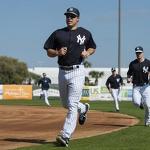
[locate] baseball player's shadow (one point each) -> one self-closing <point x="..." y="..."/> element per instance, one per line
<point x="117" y="117"/>
<point x="38" y="141"/>
<point x="35" y="141"/>
<point x="55" y="144"/>
<point x="106" y="124"/>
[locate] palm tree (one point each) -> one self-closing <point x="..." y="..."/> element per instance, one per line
<point x="87" y="64"/>
<point x="86" y="81"/>
<point x="96" y="75"/>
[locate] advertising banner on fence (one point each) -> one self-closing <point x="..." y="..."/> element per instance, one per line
<point x="1" y="92"/>
<point x="93" y="93"/>
<point x="16" y="92"/>
<point x="51" y="92"/>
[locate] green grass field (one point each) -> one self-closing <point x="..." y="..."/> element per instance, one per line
<point x="133" y="138"/>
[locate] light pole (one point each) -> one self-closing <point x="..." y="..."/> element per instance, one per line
<point x="119" y="36"/>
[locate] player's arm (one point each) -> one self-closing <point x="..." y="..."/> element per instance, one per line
<point x="129" y="74"/>
<point x="149" y="73"/>
<point x="39" y="82"/>
<point x="108" y="85"/>
<point x="149" y="77"/>
<point x="129" y="79"/>
<point x="87" y="52"/>
<point x="109" y="89"/>
<point x="121" y="81"/>
<point x="49" y="81"/>
<point x="90" y="47"/>
<point x="53" y="53"/>
<point x="51" y="47"/>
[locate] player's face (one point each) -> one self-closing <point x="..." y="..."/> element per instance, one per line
<point x="44" y="75"/>
<point x="71" y="20"/>
<point x="139" y="55"/>
<point x="113" y="72"/>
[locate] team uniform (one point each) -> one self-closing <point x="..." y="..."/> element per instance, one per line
<point x="75" y="41"/>
<point x="113" y="83"/>
<point x="71" y="74"/>
<point x="141" y="89"/>
<point x="44" y="82"/>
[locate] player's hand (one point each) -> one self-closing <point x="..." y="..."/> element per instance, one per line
<point x="85" y="54"/>
<point x="110" y="90"/>
<point x="128" y="80"/>
<point x="62" y="51"/>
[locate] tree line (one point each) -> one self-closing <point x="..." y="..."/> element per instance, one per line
<point x="13" y="71"/>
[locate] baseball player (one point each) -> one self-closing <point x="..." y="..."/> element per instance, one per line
<point x="139" y="75"/>
<point x="44" y="82"/>
<point x="71" y="45"/>
<point x="113" y="84"/>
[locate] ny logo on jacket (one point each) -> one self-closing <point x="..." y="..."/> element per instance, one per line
<point x="80" y="40"/>
<point x="145" y="69"/>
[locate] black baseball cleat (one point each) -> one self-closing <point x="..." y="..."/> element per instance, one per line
<point x="117" y="110"/>
<point x="40" y="96"/>
<point x="147" y="124"/>
<point x="62" y="141"/>
<point x="141" y="106"/>
<point x="83" y="116"/>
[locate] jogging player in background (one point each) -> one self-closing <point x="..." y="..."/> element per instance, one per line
<point x="139" y="75"/>
<point x="44" y="83"/>
<point x="71" y="44"/>
<point x="113" y="84"/>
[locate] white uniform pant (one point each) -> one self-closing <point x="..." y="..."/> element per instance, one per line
<point x="142" y="94"/>
<point x="115" y="94"/>
<point x="70" y="86"/>
<point x="45" y="93"/>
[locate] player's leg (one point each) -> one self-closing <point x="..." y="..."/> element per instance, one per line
<point x="74" y="95"/>
<point x="46" y="97"/>
<point x="75" y="82"/>
<point x="118" y="95"/>
<point x="62" y="139"/>
<point x="115" y="97"/>
<point x="136" y="96"/>
<point x="146" y="100"/>
<point x="63" y="89"/>
<point x="41" y="94"/>
<point x="81" y="107"/>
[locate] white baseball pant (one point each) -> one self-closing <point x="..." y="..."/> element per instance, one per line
<point x="45" y="93"/>
<point x="142" y="94"/>
<point x="70" y="86"/>
<point x="115" y="94"/>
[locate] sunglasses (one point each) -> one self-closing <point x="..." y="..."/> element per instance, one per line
<point x="138" y="53"/>
<point x="71" y="16"/>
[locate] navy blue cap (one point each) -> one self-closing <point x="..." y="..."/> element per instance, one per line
<point x="72" y="10"/>
<point x="113" y="69"/>
<point x="139" y="49"/>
